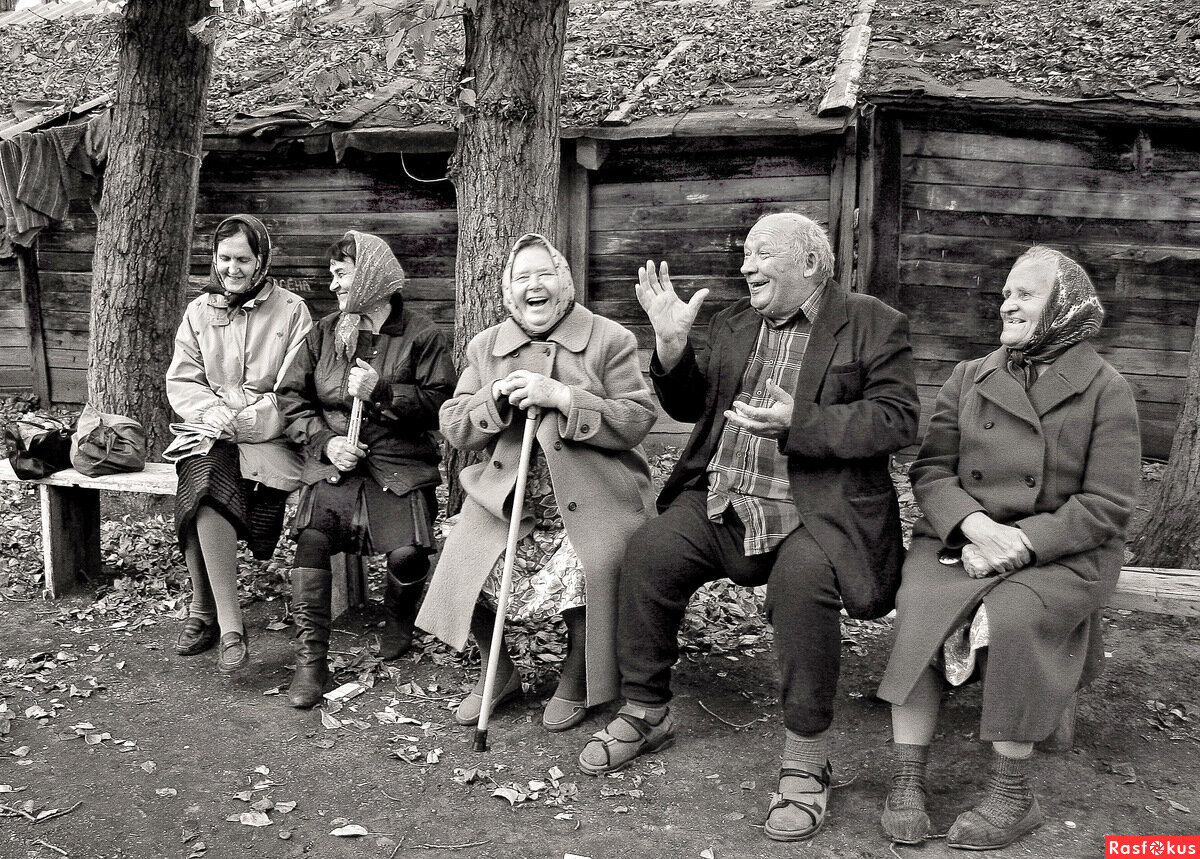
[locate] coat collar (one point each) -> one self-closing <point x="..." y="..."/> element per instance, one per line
<point x="572" y="333"/>
<point x="1069" y="374"/>
<point x="220" y="301"/>
<point x="822" y="341"/>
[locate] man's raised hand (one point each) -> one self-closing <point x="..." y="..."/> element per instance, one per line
<point x="671" y="317"/>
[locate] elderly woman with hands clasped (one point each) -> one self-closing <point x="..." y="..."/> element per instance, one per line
<point x="374" y="496"/>
<point x="1026" y="478"/>
<point x="588" y="488"/>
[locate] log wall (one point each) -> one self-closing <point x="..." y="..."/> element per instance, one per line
<point x="16" y="376"/>
<point x="1123" y="202"/>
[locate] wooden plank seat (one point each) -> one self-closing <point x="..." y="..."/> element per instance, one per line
<point x="71" y="519"/>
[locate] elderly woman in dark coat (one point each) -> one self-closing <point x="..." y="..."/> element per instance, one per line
<point x="589" y="485"/>
<point x="376" y="497"/>
<point x="1026" y="479"/>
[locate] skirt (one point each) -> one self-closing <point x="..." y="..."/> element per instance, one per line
<point x="360" y="517"/>
<point x="547" y="575"/>
<point x="215" y="478"/>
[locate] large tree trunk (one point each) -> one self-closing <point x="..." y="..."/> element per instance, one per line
<point x="1171" y="536"/>
<point x="506" y="163"/>
<point x="144" y="236"/>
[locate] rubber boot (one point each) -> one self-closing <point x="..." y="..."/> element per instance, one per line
<point x="312" y="591"/>
<point x="400" y="603"/>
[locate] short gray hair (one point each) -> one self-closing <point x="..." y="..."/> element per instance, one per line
<point x="806" y="237"/>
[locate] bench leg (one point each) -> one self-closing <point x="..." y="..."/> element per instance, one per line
<point x="1063" y="738"/>
<point x="349" y="583"/>
<point x="70" y="536"/>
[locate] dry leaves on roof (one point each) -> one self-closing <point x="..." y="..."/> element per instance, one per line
<point x="1080" y="48"/>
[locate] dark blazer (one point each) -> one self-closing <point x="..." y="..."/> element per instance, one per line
<point x="856" y="403"/>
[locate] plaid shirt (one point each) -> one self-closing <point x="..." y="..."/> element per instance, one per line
<point x="747" y="472"/>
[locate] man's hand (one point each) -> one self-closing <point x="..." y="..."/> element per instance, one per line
<point x="671" y="317"/>
<point x="1002" y="547"/>
<point x="770" y="422"/>
<point x="343" y="454"/>
<point x="525" y="388"/>
<point x="362" y="381"/>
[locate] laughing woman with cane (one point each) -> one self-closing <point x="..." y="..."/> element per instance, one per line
<point x="369" y="482"/>
<point x="588" y="484"/>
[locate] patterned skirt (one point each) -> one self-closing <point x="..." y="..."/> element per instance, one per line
<point x="547" y="576"/>
<point x="215" y="478"/>
<point x="360" y="517"/>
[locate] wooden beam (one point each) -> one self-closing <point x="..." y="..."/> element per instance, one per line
<point x="879" y="209"/>
<point x="620" y="116"/>
<point x="31" y="300"/>
<point x="574" y="221"/>
<point x="1157" y="589"/>
<point x="590" y="152"/>
<point x="843" y="195"/>
<point x="842" y="95"/>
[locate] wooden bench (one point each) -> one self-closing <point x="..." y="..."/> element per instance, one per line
<point x="71" y="519"/>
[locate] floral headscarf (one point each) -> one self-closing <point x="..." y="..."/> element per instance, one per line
<point x="260" y="244"/>
<point x="565" y="300"/>
<point x="377" y="277"/>
<point x="1072" y="314"/>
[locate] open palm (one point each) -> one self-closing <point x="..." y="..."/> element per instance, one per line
<point x="671" y="316"/>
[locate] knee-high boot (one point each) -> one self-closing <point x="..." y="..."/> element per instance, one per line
<point x="312" y="590"/>
<point x="400" y="603"/>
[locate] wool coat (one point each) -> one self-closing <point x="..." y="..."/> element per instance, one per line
<point x="1061" y="462"/>
<point x="855" y="404"/>
<point x="600" y="475"/>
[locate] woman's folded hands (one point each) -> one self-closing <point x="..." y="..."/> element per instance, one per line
<point x="994" y="547"/>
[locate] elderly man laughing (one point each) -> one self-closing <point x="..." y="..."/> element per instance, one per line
<point x="804" y="392"/>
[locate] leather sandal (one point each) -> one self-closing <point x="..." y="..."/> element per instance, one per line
<point x="813" y="801"/>
<point x="562" y="714"/>
<point x="468" y="711"/>
<point x="619" y="753"/>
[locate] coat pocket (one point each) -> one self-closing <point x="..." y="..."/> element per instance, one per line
<point x="843" y="384"/>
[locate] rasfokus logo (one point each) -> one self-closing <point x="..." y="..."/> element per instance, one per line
<point x="1152" y="845"/>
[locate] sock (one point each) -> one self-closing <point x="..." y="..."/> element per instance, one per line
<point x="908" y="780"/>
<point x="810" y="750"/>
<point x="1009" y="794"/>
<point x="655" y="713"/>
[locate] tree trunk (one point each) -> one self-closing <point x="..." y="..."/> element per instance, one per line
<point x="144" y="235"/>
<point x="1171" y="536"/>
<point x="506" y="163"/>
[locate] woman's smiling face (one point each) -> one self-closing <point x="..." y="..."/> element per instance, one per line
<point x="343" y="278"/>
<point x="236" y="263"/>
<point x="1026" y="293"/>
<point x="536" y="288"/>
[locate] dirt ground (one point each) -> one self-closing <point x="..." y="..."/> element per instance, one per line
<point x="111" y="746"/>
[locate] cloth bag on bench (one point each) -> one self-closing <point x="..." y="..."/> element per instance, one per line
<point x="107" y="444"/>
<point x="37" y="446"/>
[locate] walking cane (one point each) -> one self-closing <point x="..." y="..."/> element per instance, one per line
<point x="356" y="419"/>
<point x="510" y="557"/>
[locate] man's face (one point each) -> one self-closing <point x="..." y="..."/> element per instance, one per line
<point x="778" y="282"/>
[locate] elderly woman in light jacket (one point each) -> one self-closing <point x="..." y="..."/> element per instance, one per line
<point x="589" y="485"/>
<point x="235" y="467"/>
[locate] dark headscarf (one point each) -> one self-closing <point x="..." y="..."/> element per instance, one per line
<point x="1072" y="314"/>
<point x="260" y="245"/>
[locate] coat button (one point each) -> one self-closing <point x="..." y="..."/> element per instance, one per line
<point x="572" y="506"/>
<point x="1030" y="481"/>
<point x="585" y="428"/>
<point x="558" y="445"/>
<point x="483" y="424"/>
<point x="989" y="424"/>
<point x="546" y="351"/>
<point x="498" y="464"/>
<point x="977" y="475"/>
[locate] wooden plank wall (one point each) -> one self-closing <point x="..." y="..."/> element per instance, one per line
<point x="16" y="377"/>
<point x="1125" y="204"/>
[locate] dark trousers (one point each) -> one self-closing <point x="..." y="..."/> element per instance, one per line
<point x="669" y="558"/>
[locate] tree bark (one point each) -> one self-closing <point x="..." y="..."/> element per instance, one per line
<point x="144" y="235"/>
<point x="505" y="166"/>
<point x="1171" y="536"/>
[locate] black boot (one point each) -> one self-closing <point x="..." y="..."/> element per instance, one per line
<point x="312" y="590"/>
<point x="400" y="603"/>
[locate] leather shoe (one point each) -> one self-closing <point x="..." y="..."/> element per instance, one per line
<point x="562" y="714"/>
<point x="233" y="652"/>
<point x="196" y="636"/>
<point x="468" y="711"/>
<point x="973" y="831"/>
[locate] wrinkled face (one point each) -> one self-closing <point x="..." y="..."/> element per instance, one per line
<point x="236" y="263"/>
<point x="778" y="282"/>
<point x="343" y="278"/>
<point x="1025" y="294"/>
<point x="536" y="289"/>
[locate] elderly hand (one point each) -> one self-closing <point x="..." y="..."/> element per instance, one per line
<point x="770" y="422"/>
<point x="343" y="454"/>
<point x="974" y="563"/>
<point x="362" y="381"/>
<point x="525" y="388"/>
<point x="671" y="317"/>
<point x="221" y="418"/>
<point x="1002" y="547"/>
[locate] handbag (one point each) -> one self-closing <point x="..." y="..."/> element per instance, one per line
<point x="107" y="444"/>
<point x="37" y="446"/>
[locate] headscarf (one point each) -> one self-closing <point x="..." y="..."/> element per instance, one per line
<point x="564" y="302"/>
<point x="377" y="277"/>
<point x="263" y="240"/>
<point x="1072" y="314"/>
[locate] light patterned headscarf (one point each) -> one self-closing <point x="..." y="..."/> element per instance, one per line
<point x="566" y="294"/>
<point x="1072" y="314"/>
<point x="377" y="277"/>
